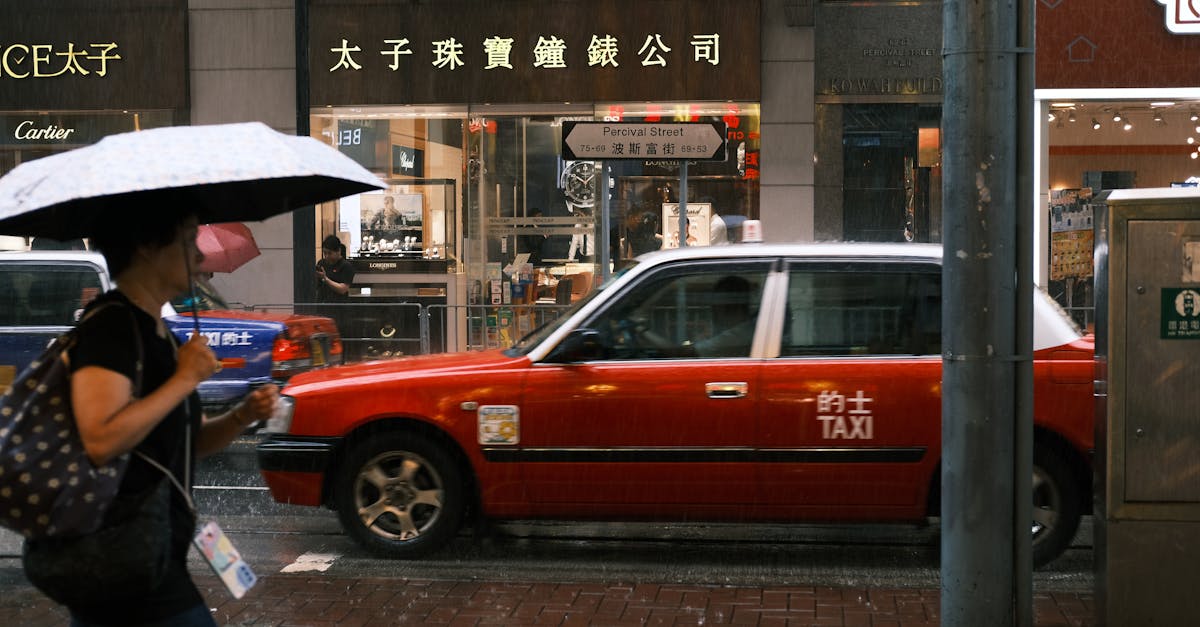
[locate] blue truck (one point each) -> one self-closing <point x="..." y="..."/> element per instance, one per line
<point x="43" y="293"/>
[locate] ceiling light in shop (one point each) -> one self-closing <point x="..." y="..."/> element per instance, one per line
<point x="1194" y="154"/>
<point x="1050" y="117"/>
<point x="1071" y="117"/>
<point x="1195" y="116"/>
<point x="1191" y="140"/>
<point x="1128" y="126"/>
<point x="1158" y="118"/>
<point x="1095" y="125"/>
<point x="1117" y="116"/>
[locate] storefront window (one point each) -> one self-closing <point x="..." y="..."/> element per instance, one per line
<point x="721" y="195"/>
<point x="1094" y="145"/>
<point x="419" y="154"/>
<point x="521" y="202"/>
<point x="482" y="210"/>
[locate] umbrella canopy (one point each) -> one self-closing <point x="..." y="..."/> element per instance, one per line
<point x="226" y="246"/>
<point x="222" y="173"/>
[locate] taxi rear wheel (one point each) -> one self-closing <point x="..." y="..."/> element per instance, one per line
<point x="1057" y="505"/>
<point x="401" y="495"/>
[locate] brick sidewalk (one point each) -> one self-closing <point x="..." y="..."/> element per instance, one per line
<point x="307" y="600"/>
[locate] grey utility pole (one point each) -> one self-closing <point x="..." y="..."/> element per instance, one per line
<point x="986" y="398"/>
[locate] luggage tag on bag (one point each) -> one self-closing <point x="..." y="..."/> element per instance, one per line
<point x="225" y="560"/>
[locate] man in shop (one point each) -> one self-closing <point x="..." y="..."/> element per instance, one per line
<point x="334" y="272"/>
<point x="389" y="217"/>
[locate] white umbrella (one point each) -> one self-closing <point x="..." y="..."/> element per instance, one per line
<point x="222" y="173"/>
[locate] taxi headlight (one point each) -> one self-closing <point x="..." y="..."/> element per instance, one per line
<point x="281" y="419"/>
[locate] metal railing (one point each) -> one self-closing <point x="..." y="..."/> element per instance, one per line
<point x="380" y="330"/>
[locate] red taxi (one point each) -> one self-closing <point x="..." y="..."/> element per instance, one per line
<point x="728" y="383"/>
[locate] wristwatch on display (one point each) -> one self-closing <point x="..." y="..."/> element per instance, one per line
<point x="578" y="184"/>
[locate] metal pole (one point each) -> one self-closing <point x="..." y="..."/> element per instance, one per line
<point x="605" y="230"/>
<point x="1026" y="206"/>
<point x="683" y="219"/>
<point x="979" y="299"/>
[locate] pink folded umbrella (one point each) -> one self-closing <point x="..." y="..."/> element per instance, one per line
<point x="227" y="246"/>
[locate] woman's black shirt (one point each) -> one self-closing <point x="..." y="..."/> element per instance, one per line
<point x="107" y="340"/>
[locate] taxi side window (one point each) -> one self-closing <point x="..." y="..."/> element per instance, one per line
<point x="862" y="313"/>
<point x="46" y="294"/>
<point x="703" y="313"/>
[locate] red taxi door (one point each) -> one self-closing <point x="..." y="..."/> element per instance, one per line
<point x="664" y="420"/>
<point x="852" y="404"/>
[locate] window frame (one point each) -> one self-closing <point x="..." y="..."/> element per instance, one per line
<point x="856" y="266"/>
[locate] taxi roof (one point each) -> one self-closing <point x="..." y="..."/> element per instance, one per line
<point x="926" y="252"/>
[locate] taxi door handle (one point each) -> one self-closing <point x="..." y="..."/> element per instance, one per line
<point x="726" y="389"/>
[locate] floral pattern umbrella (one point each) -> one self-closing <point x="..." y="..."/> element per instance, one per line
<point x="222" y="173"/>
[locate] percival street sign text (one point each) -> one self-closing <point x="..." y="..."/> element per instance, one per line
<point x="597" y="141"/>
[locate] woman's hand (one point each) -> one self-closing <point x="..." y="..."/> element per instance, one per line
<point x="196" y="361"/>
<point x="258" y="405"/>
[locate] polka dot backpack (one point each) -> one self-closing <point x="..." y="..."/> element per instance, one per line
<point x="48" y="485"/>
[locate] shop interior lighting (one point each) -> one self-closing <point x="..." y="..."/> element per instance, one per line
<point x="1158" y="118"/>
<point x="1050" y="117"/>
<point x="1195" y="116"/>
<point x="1195" y="154"/>
<point x="1128" y="125"/>
<point x="1071" y="116"/>
<point x="1191" y="140"/>
<point x="1095" y="124"/>
<point x="1116" y="116"/>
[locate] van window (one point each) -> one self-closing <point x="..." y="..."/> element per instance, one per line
<point x="46" y="294"/>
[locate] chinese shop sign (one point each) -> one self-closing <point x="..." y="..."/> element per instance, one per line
<point x="67" y="55"/>
<point x="529" y="51"/>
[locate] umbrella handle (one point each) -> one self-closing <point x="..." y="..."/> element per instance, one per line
<point x="187" y="261"/>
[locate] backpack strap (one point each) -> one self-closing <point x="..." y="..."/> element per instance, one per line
<point x="139" y="366"/>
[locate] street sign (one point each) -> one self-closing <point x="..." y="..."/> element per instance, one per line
<point x="658" y="141"/>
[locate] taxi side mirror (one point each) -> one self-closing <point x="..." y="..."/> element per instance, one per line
<point x="579" y="345"/>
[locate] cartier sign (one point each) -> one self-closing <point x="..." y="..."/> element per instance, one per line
<point x="28" y="131"/>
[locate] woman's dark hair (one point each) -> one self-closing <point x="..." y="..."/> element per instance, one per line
<point x="331" y="242"/>
<point x="119" y="240"/>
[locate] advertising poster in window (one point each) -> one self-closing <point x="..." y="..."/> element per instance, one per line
<point x="392" y="223"/>
<point x="1071" y="239"/>
<point x="699" y="218"/>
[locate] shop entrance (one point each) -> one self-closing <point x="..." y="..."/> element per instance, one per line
<point x="892" y="172"/>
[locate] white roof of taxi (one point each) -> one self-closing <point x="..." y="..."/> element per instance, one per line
<point x="812" y="249"/>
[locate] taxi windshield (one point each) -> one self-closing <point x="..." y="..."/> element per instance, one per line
<point x="526" y="344"/>
<point x="204" y="295"/>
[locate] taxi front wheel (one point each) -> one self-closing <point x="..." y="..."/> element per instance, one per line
<point x="1057" y="505"/>
<point x="400" y="495"/>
